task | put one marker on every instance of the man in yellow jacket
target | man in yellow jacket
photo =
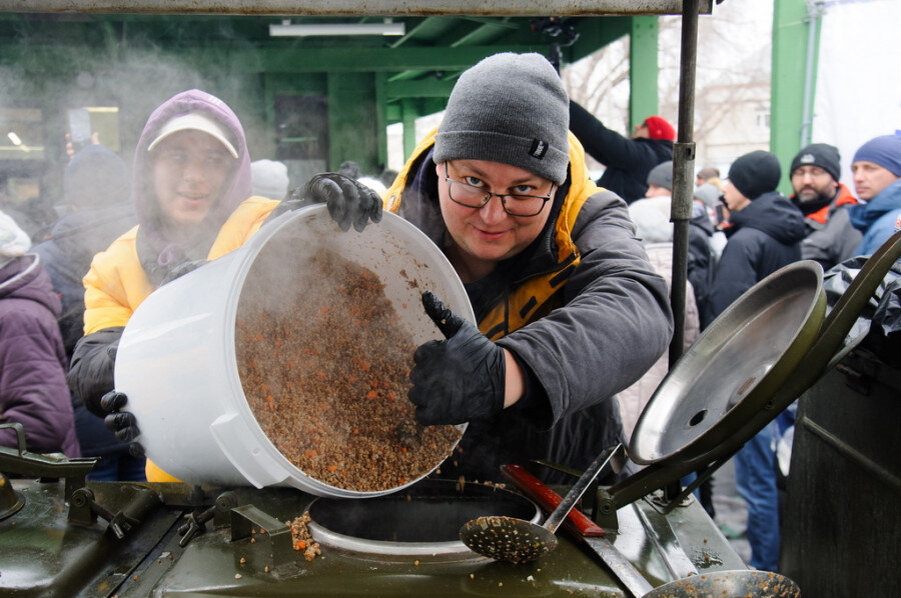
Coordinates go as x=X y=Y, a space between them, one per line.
x=569 y=309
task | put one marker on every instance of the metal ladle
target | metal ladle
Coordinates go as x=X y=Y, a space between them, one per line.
x=518 y=541
x=740 y=582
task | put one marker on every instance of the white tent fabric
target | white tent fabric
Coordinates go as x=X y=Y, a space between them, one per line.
x=858 y=86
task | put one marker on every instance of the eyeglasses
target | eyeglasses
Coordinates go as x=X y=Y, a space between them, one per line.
x=515 y=204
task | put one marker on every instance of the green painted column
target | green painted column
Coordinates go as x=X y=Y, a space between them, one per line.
x=790 y=70
x=353 y=121
x=643 y=69
x=408 y=118
x=381 y=121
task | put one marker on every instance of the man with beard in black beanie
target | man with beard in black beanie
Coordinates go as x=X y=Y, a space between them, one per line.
x=765 y=235
x=831 y=238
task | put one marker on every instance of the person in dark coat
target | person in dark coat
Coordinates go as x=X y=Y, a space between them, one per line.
x=765 y=232
x=628 y=161
x=765 y=235
x=33 y=389
x=97 y=191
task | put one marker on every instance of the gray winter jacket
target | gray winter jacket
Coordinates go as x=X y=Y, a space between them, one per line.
x=606 y=323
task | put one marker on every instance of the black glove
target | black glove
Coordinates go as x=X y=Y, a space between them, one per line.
x=458 y=379
x=90 y=374
x=123 y=423
x=349 y=201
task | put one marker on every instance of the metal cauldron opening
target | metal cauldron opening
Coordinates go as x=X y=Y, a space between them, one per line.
x=421 y=521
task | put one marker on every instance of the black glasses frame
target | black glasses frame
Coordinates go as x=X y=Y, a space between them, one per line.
x=488 y=195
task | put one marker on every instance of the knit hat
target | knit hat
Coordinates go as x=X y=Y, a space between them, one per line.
x=659 y=128
x=755 y=173
x=96 y=177
x=819 y=154
x=884 y=151
x=652 y=219
x=508 y=108
x=709 y=194
x=269 y=178
x=14 y=242
x=662 y=175
x=709 y=172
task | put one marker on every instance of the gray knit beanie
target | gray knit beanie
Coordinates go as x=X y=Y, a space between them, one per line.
x=508 y=108
x=662 y=175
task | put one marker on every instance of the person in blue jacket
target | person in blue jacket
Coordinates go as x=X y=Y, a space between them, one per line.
x=877 y=180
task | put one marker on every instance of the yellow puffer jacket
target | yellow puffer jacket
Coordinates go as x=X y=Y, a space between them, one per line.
x=532 y=299
x=116 y=284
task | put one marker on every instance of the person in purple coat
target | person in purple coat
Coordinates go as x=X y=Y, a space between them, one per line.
x=33 y=389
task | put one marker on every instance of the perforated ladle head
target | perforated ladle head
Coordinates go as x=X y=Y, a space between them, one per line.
x=518 y=541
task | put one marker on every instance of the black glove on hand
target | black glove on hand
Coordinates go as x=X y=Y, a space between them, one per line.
x=458 y=379
x=349 y=201
x=123 y=423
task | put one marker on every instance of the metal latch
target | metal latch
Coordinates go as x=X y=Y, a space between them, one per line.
x=84 y=510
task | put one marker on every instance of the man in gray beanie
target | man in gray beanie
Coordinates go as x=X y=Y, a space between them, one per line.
x=815 y=173
x=568 y=309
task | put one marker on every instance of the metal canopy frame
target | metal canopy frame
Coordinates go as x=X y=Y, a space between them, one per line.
x=362 y=7
x=684 y=149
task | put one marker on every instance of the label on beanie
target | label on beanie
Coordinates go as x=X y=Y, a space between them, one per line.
x=539 y=148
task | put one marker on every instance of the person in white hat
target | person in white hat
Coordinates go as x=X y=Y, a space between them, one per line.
x=193 y=197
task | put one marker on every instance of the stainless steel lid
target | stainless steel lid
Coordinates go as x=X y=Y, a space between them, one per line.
x=733 y=368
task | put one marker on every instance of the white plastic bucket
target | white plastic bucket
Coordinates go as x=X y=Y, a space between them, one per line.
x=176 y=360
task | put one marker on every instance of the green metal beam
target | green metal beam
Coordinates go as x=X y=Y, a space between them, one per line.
x=597 y=33
x=421 y=88
x=643 y=69
x=409 y=113
x=273 y=60
x=790 y=41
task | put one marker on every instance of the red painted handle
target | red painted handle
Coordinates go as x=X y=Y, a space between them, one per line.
x=548 y=500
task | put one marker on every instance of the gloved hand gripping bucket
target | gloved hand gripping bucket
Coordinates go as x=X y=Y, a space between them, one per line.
x=177 y=357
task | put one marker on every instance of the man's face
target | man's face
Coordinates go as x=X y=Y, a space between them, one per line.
x=189 y=171
x=657 y=191
x=641 y=130
x=870 y=178
x=734 y=199
x=482 y=237
x=812 y=182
